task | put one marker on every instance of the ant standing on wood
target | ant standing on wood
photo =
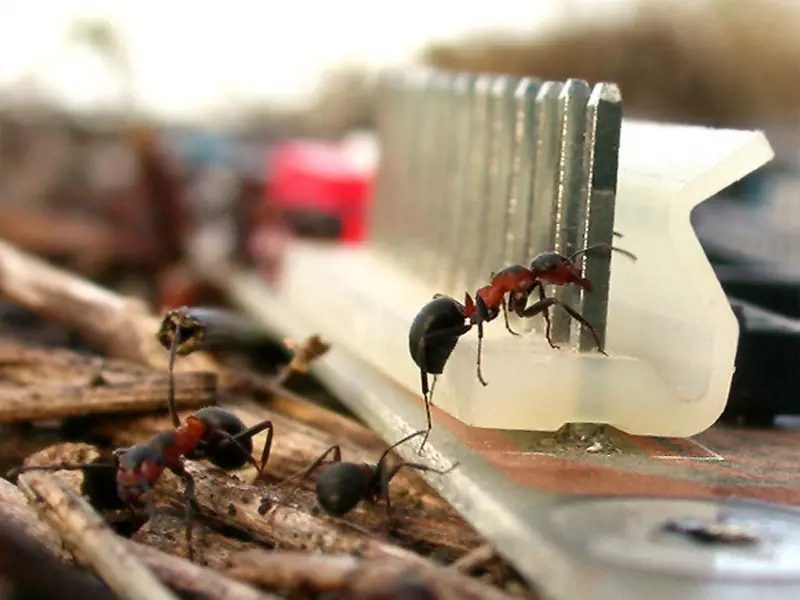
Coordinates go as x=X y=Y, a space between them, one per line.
x=340 y=486
x=211 y=433
x=440 y=323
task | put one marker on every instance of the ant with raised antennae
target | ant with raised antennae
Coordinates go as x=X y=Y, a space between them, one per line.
x=211 y=433
x=440 y=323
x=340 y=486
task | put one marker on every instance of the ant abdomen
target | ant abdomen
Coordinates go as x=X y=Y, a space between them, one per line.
x=341 y=486
x=440 y=314
x=219 y=449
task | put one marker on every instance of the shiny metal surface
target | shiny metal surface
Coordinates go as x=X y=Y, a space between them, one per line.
x=481 y=171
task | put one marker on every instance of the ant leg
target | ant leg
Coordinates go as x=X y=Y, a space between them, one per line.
x=546 y=302
x=336 y=451
x=173 y=347
x=251 y=432
x=189 y=498
x=387 y=476
x=519 y=308
x=482 y=315
x=427 y=394
x=546 y=315
x=505 y=316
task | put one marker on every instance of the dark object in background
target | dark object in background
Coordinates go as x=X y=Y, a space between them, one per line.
x=766 y=300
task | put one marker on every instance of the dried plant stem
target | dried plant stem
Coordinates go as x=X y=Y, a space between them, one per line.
x=143 y=394
x=187 y=577
x=84 y=530
x=362 y=578
x=14 y=508
x=473 y=559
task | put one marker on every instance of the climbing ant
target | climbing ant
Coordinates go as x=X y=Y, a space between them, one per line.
x=340 y=486
x=211 y=433
x=440 y=323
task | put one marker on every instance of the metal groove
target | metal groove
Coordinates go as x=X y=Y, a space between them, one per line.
x=479 y=171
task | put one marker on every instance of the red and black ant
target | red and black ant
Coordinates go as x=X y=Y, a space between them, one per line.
x=211 y=433
x=440 y=323
x=340 y=486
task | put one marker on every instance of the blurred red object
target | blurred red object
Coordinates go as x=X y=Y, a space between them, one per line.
x=323 y=188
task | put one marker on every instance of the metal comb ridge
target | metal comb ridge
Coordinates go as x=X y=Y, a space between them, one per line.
x=479 y=171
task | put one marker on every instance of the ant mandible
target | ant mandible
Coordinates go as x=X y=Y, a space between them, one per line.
x=340 y=486
x=211 y=433
x=440 y=323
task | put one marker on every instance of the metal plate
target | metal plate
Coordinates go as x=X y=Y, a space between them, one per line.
x=589 y=524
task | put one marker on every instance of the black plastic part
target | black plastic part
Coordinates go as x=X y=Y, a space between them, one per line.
x=765 y=297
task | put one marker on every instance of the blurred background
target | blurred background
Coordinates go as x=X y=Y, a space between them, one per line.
x=136 y=134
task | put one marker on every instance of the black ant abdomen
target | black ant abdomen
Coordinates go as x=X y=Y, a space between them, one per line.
x=442 y=315
x=341 y=486
x=223 y=450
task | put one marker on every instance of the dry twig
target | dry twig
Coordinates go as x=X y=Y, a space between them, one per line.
x=34 y=571
x=32 y=556
x=187 y=577
x=303 y=353
x=49 y=401
x=474 y=558
x=81 y=527
x=15 y=509
x=376 y=578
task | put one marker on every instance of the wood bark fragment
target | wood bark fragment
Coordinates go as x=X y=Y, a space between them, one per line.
x=143 y=394
x=187 y=577
x=83 y=529
x=375 y=578
x=166 y=532
x=236 y=503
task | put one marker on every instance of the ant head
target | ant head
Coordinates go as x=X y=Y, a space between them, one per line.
x=556 y=269
x=191 y=335
x=131 y=459
x=138 y=469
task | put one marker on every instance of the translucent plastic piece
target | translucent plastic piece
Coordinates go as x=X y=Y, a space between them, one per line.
x=671 y=334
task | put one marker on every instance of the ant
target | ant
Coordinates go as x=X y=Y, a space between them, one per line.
x=211 y=433
x=340 y=486
x=440 y=323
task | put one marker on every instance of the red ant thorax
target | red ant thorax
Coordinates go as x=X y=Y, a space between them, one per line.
x=188 y=436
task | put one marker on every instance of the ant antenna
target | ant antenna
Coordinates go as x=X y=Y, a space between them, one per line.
x=173 y=347
x=604 y=246
x=396 y=444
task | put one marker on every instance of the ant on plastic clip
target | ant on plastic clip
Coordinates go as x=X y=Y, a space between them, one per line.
x=211 y=433
x=440 y=323
x=340 y=486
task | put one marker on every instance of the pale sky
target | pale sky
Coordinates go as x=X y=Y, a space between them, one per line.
x=189 y=56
